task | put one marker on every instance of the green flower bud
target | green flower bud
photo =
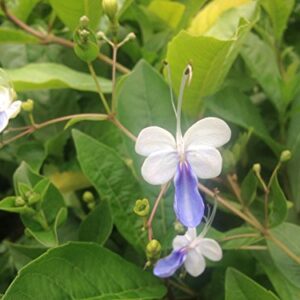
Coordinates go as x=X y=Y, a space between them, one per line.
x=88 y=197
x=153 y=250
x=142 y=207
x=179 y=228
x=34 y=198
x=19 y=201
x=84 y=21
x=256 y=168
x=285 y=155
x=91 y=205
x=110 y=8
x=28 y=105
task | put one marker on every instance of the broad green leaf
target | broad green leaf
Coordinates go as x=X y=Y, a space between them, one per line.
x=8 y=204
x=211 y=54
x=14 y=36
x=261 y=61
x=170 y=12
x=210 y=14
x=279 y=12
x=233 y=106
x=285 y=289
x=278 y=204
x=287 y=235
x=22 y=8
x=293 y=142
x=240 y=287
x=98 y=225
x=146 y=91
x=53 y=76
x=249 y=188
x=70 y=11
x=114 y=182
x=83 y=271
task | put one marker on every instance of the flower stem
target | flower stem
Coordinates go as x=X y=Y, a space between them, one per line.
x=102 y=97
x=114 y=59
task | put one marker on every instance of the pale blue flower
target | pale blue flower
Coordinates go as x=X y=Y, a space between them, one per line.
x=185 y=158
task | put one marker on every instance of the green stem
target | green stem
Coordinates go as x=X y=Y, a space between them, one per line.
x=102 y=97
x=114 y=59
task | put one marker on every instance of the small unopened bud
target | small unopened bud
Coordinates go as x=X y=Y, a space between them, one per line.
x=100 y=35
x=19 y=201
x=153 y=250
x=131 y=36
x=34 y=198
x=285 y=155
x=179 y=228
x=142 y=207
x=84 y=34
x=88 y=197
x=91 y=205
x=256 y=168
x=84 y=21
x=110 y=8
x=28 y=105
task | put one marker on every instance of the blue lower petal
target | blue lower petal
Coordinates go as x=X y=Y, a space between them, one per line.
x=167 y=266
x=3 y=121
x=188 y=203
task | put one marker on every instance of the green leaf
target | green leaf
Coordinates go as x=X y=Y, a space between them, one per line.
x=261 y=61
x=240 y=287
x=285 y=289
x=23 y=254
x=9 y=204
x=98 y=225
x=21 y=8
x=33 y=153
x=170 y=12
x=279 y=12
x=288 y=235
x=83 y=271
x=53 y=76
x=234 y=106
x=14 y=36
x=50 y=211
x=211 y=53
x=114 y=182
x=249 y=188
x=278 y=203
x=70 y=11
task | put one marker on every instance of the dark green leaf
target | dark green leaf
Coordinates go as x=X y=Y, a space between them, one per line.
x=249 y=188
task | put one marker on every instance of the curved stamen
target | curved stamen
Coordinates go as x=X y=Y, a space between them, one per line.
x=167 y=66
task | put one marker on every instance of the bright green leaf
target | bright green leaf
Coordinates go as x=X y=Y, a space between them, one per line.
x=70 y=11
x=98 y=225
x=240 y=287
x=83 y=271
x=14 y=36
x=289 y=236
x=53 y=76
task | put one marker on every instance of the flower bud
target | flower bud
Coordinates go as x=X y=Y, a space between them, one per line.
x=84 y=21
x=142 y=207
x=110 y=8
x=285 y=156
x=19 y=201
x=34 y=198
x=88 y=197
x=179 y=228
x=256 y=168
x=153 y=250
x=28 y=105
x=91 y=205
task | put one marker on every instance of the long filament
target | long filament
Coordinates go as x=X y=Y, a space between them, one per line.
x=167 y=66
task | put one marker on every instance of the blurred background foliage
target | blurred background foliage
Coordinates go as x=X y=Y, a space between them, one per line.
x=245 y=58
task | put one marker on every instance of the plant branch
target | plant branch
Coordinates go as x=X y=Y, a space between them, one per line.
x=50 y=38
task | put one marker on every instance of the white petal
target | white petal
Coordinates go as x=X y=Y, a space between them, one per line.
x=210 y=249
x=160 y=167
x=5 y=98
x=153 y=139
x=3 y=121
x=13 y=110
x=209 y=132
x=206 y=162
x=194 y=263
x=191 y=234
x=180 y=241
